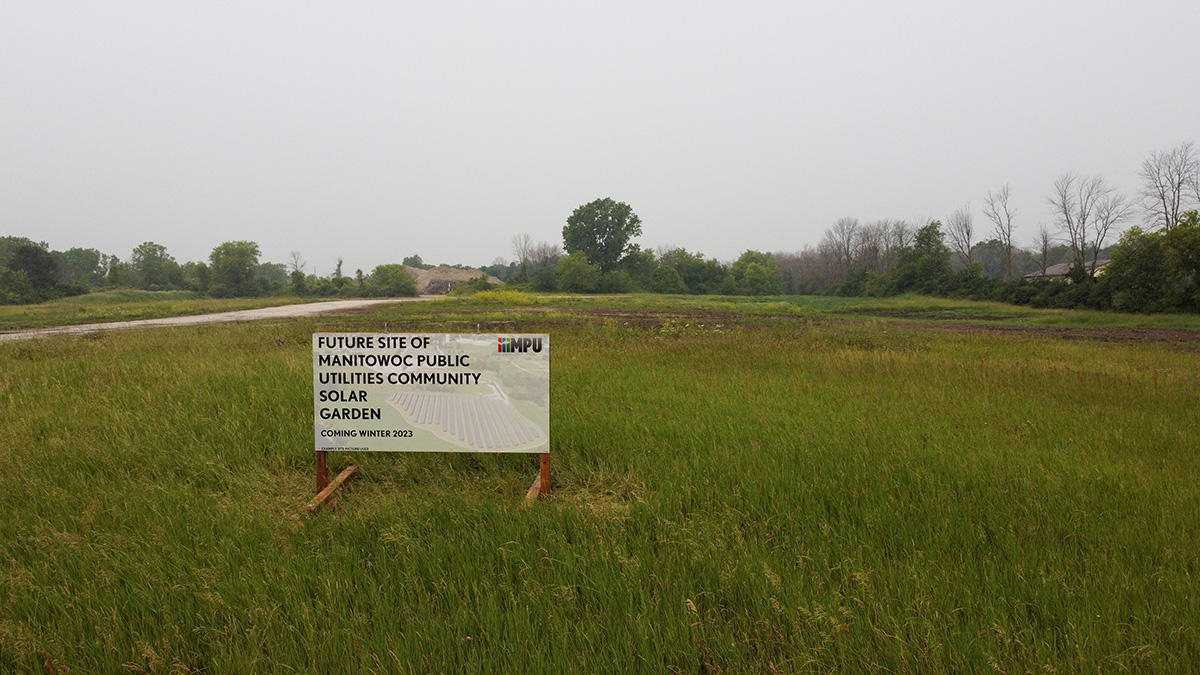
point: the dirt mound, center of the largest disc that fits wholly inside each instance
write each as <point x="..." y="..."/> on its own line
<point x="441" y="280"/>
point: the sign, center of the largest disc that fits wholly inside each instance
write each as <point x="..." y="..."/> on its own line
<point x="397" y="392"/>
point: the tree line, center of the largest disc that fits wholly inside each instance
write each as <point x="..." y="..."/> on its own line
<point x="31" y="272"/>
<point x="599" y="256"/>
<point x="1153" y="267"/>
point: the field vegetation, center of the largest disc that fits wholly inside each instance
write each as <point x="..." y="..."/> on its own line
<point x="903" y="308"/>
<point x="767" y="487"/>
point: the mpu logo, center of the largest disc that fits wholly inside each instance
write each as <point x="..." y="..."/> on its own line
<point x="508" y="345"/>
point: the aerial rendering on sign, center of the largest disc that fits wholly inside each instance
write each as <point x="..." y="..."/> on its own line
<point x="438" y="392"/>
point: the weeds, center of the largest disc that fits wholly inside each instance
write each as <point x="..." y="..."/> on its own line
<point x="763" y="495"/>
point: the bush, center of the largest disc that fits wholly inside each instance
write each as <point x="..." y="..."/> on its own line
<point x="617" y="281"/>
<point x="577" y="275"/>
<point x="667" y="280"/>
<point x="476" y="285"/>
<point x="390" y="281"/>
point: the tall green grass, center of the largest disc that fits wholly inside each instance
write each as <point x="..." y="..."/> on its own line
<point x="904" y="308"/>
<point x="122" y="295"/>
<point x="928" y="308"/>
<point x="728" y="498"/>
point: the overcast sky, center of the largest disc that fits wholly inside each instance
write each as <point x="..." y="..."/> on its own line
<point x="373" y="131"/>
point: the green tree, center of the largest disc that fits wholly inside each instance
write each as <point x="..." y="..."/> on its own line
<point x="196" y="276"/>
<point x="15" y="288"/>
<point x="1137" y="277"/>
<point x="601" y="231"/>
<point x="299" y="284"/>
<point x="1183" y="261"/>
<point x="415" y="261"/>
<point x="499" y="269"/>
<point x="616" y="281"/>
<point x="700" y="275"/>
<point x="545" y="278"/>
<point x="83" y="265"/>
<point x="231" y="269"/>
<point x="576" y="274"/>
<point x="39" y="266"/>
<point x="761" y="279"/>
<point x="925" y="265"/>
<point x="271" y="276"/>
<point x="755" y="273"/>
<point x="391" y="281"/>
<point x="667" y="280"/>
<point x="117" y="273"/>
<point x="476" y="285"/>
<point x="640" y="266"/>
<point x="9" y="244"/>
<point x="152" y="267"/>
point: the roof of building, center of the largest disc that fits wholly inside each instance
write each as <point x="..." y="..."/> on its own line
<point x="1061" y="269"/>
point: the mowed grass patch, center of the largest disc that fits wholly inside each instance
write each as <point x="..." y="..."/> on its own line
<point x="737" y="498"/>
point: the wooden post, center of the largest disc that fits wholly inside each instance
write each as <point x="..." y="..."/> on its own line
<point x="327" y="492"/>
<point x="541" y="484"/>
<point x="322" y="470"/>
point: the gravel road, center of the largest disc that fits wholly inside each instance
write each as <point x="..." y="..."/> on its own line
<point x="280" y="312"/>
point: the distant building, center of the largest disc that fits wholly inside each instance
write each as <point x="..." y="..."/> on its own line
<point x="1060" y="270"/>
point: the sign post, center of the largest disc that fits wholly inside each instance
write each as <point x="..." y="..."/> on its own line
<point x="544" y="475"/>
<point x="322" y="469"/>
<point x="400" y="392"/>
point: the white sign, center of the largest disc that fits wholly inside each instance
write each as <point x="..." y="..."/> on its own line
<point x="431" y="392"/>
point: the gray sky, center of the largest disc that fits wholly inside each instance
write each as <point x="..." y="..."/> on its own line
<point x="373" y="131"/>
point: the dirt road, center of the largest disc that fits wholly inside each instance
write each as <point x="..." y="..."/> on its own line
<point x="280" y="312"/>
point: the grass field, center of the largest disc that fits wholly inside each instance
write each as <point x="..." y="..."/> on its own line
<point x="737" y="489"/>
<point x="129" y="304"/>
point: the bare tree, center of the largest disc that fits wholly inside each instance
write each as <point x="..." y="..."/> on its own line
<point x="923" y="221"/>
<point x="1087" y="209"/>
<point x="544" y="254"/>
<point x="792" y="268"/>
<point x="996" y="208"/>
<point x="809" y="270"/>
<point x="1111" y="210"/>
<point x="1196" y="188"/>
<point x="297" y="263"/>
<point x="847" y="245"/>
<point x="840" y="241"/>
<point x="961" y="230"/>
<point x="1167" y="179"/>
<point x="1043" y="245"/>
<point x="827" y="259"/>
<point x="899" y="234"/>
<point x="868" y="245"/>
<point x="522" y="248"/>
